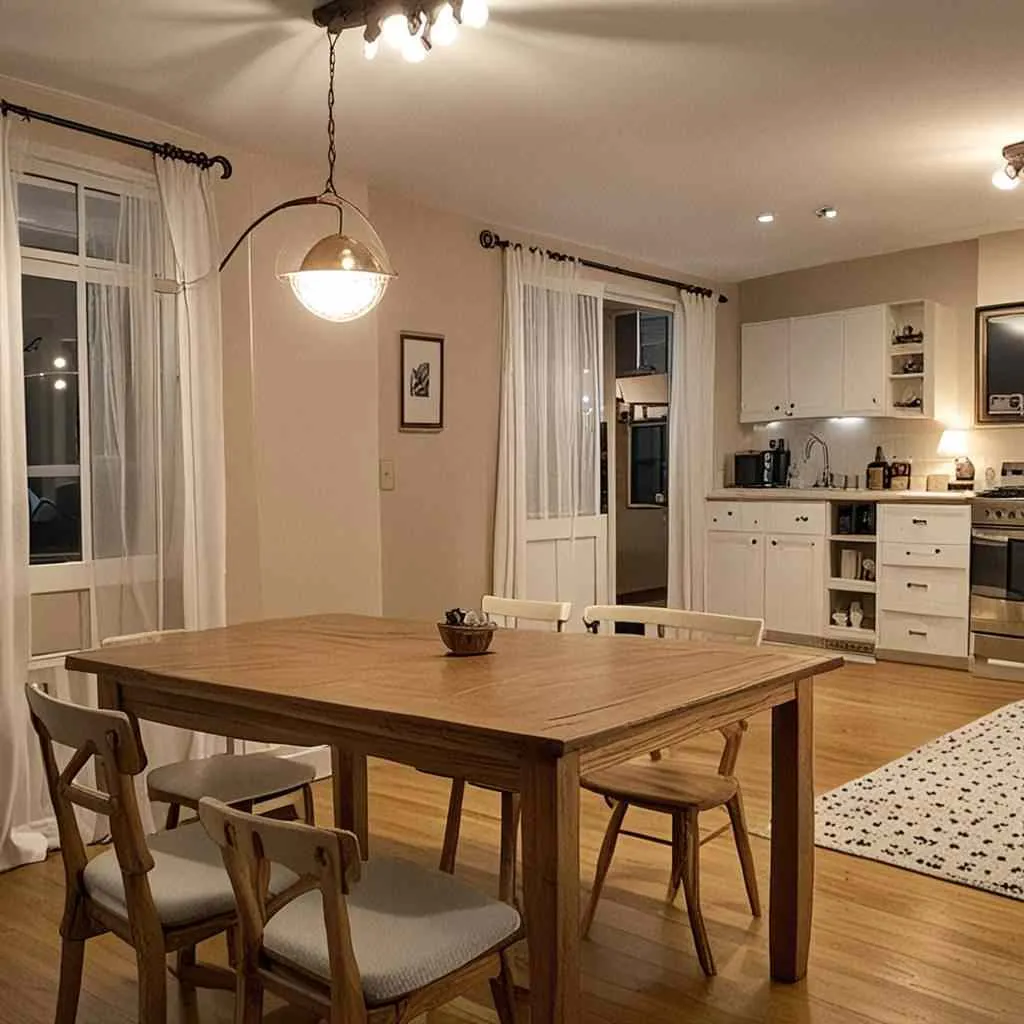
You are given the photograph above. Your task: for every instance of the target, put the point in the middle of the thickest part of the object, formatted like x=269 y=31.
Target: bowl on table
x=465 y=641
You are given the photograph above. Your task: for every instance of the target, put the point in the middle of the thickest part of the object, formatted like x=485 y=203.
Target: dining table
x=531 y=716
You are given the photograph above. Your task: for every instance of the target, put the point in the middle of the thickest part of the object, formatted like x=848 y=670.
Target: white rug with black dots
x=953 y=808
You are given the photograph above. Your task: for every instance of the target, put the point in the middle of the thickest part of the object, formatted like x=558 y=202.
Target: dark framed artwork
x=422 y=382
x=999 y=345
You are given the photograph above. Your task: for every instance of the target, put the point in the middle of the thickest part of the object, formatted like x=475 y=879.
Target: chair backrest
x=675 y=623
x=112 y=739
x=513 y=611
x=324 y=859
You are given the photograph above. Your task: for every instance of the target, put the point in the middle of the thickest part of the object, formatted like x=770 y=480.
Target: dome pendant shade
x=341 y=279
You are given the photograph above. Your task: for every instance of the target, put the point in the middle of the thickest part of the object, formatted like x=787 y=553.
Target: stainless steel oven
x=997 y=574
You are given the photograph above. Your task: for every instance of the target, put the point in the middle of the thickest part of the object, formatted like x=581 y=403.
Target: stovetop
x=1000 y=493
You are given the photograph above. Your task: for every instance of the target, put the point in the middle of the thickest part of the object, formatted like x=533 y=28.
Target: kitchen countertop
x=838 y=494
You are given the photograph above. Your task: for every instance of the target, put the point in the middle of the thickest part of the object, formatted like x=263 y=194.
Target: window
x=648 y=463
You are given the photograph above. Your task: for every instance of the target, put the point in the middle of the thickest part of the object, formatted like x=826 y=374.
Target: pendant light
x=341 y=278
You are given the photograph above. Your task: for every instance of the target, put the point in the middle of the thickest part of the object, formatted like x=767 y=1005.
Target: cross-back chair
x=673 y=789
x=382 y=941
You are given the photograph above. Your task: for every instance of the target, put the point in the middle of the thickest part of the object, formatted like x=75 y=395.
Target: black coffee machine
x=768 y=468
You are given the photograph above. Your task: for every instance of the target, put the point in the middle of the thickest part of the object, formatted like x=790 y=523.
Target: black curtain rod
x=165 y=150
x=490 y=240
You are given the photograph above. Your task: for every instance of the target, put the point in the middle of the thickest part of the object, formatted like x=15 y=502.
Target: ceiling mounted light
x=341 y=278
x=826 y=213
x=1007 y=177
x=413 y=27
x=766 y=218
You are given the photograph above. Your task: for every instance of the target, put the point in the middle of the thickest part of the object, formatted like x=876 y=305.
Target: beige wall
x=302 y=444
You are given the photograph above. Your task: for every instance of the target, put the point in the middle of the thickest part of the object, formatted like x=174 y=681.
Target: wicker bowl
x=465 y=641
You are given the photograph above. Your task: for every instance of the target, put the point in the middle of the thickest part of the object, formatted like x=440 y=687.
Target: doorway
x=638 y=367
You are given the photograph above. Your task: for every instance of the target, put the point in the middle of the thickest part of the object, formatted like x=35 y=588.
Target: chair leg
x=742 y=837
x=604 y=860
x=173 y=816
x=510 y=810
x=452 y=826
x=152 y=967
x=308 y=805
x=72 y=958
x=503 y=992
x=691 y=887
x=248 y=999
x=678 y=853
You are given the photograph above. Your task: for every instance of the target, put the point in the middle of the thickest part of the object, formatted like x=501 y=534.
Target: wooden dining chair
x=160 y=895
x=242 y=780
x=554 y=615
x=679 y=791
x=383 y=941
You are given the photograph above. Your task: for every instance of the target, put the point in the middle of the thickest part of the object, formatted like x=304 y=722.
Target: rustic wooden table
x=531 y=717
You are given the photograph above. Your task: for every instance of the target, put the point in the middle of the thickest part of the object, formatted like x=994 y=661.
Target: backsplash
x=852 y=444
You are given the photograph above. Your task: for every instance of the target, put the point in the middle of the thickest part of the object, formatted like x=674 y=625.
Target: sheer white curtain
x=691 y=446
x=549 y=437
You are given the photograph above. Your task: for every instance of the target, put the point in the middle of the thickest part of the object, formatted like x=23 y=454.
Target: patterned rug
x=953 y=808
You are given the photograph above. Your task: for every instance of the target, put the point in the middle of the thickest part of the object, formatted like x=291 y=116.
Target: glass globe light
x=475 y=13
x=341 y=279
x=395 y=30
x=1003 y=181
x=445 y=29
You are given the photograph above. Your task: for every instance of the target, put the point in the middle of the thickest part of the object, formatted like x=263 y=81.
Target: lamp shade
x=954 y=443
x=340 y=279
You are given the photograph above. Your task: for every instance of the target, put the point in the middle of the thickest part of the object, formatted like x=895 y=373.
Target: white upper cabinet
x=764 y=360
x=815 y=366
x=866 y=336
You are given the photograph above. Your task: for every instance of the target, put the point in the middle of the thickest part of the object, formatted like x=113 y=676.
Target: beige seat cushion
x=188 y=880
x=662 y=786
x=410 y=927
x=230 y=778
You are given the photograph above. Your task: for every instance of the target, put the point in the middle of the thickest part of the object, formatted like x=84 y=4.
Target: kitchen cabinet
x=794 y=584
x=735 y=573
x=764 y=362
x=815 y=366
x=865 y=341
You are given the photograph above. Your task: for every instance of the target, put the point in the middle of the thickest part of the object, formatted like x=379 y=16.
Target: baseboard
x=931 y=660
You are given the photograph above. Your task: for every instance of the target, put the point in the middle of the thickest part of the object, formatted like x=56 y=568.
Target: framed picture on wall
x=422 y=382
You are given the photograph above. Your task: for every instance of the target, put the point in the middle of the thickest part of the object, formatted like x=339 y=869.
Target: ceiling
x=653 y=129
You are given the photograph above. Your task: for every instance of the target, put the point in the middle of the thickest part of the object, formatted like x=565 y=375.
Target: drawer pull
x=919 y=522
x=917 y=632
x=917 y=586
x=775 y=543
x=938 y=551
x=754 y=541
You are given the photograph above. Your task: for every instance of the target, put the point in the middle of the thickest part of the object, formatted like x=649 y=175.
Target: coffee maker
x=768 y=468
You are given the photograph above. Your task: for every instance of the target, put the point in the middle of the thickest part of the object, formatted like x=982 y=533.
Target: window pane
x=48 y=214
x=55 y=528
x=654 y=332
x=648 y=484
x=102 y=210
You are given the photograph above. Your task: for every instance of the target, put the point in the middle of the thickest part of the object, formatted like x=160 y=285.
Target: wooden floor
x=889 y=946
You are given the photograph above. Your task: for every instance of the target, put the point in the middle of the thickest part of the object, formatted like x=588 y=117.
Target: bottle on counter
x=899 y=477
x=879 y=473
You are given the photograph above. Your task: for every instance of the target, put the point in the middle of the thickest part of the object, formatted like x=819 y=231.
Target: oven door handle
x=994 y=540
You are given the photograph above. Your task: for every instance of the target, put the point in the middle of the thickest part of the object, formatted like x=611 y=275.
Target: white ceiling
x=656 y=129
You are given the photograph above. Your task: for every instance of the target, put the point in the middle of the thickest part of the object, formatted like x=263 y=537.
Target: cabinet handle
x=754 y=542
x=874 y=400
x=729 y=513
x=938 y=551
x=778 y=408
x=917 y=632
x=775 y=543
x=919 y=522
x=917 y=586
x=792 y=405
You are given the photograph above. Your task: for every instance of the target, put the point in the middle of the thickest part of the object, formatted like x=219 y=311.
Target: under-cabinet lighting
x=847 y=421
x=766 y=218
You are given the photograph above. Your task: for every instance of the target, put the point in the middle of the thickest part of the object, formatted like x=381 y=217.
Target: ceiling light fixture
x=341 y=278
x=413 y=27
x=1008 y=176
x=826 y=213
x=766 y=218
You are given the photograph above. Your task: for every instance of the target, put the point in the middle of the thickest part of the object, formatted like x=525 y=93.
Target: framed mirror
x=999 y=370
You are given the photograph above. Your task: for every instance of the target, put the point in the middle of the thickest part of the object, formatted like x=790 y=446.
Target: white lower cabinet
x=794 y=584
x=735 y=574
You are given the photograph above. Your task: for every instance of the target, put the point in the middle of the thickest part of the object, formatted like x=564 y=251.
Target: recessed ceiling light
x=827 y=213
x=766 y=218
x=1003 y=181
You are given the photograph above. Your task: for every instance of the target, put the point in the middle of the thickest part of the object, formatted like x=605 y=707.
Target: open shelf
x=914 y=349
x=854 y=538
x=852 y=586
x=906 y=376
x=849 y=633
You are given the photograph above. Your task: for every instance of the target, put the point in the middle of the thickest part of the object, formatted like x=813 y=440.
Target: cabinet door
x=794 y=584
x=735 y=574
x=764 y=371
x=864 y=361
x=815 y=366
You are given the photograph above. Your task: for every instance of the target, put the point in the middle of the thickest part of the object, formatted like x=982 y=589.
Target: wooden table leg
x=551 y=883
x=348 y=775
x=792 y=858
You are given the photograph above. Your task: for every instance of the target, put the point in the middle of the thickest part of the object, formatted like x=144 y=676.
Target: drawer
x=743 y=516
x=924 y=524
x=926 y=591
x=922 y=634
x=802 y=517
x=946 y=556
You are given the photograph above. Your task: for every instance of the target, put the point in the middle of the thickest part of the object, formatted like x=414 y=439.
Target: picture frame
x=421 y=382
x=999 y=365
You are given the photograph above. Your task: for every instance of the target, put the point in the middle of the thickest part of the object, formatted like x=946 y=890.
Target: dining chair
x=679 y=791
x=161 y=894
x=354 y=942
x=553 y=614
x=242 y=780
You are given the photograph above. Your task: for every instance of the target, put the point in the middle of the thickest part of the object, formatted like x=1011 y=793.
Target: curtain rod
x=491 y=240
x=165 y=150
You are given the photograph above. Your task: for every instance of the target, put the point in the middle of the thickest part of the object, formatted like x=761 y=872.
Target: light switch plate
x=387 y=474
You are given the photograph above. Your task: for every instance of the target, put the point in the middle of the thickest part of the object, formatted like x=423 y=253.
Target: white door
x=815 y=366
x=864 y=361
x=794 y=584
x=735 y=574
x=567 y=560
x=763 y=370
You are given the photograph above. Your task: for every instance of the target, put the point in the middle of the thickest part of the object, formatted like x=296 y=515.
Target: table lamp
x=954 y=443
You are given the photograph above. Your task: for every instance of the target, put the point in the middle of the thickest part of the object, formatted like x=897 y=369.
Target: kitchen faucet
x=826 y=472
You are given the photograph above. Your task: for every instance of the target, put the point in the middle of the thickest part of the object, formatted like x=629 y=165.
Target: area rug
x=953 y=808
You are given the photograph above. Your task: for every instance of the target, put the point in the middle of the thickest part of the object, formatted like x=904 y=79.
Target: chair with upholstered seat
x=552 y=614
x=667 y=787
x=160 y=895
x=242 y=780
x=383 y=941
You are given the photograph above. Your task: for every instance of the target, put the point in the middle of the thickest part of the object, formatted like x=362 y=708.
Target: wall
x=301 y=431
